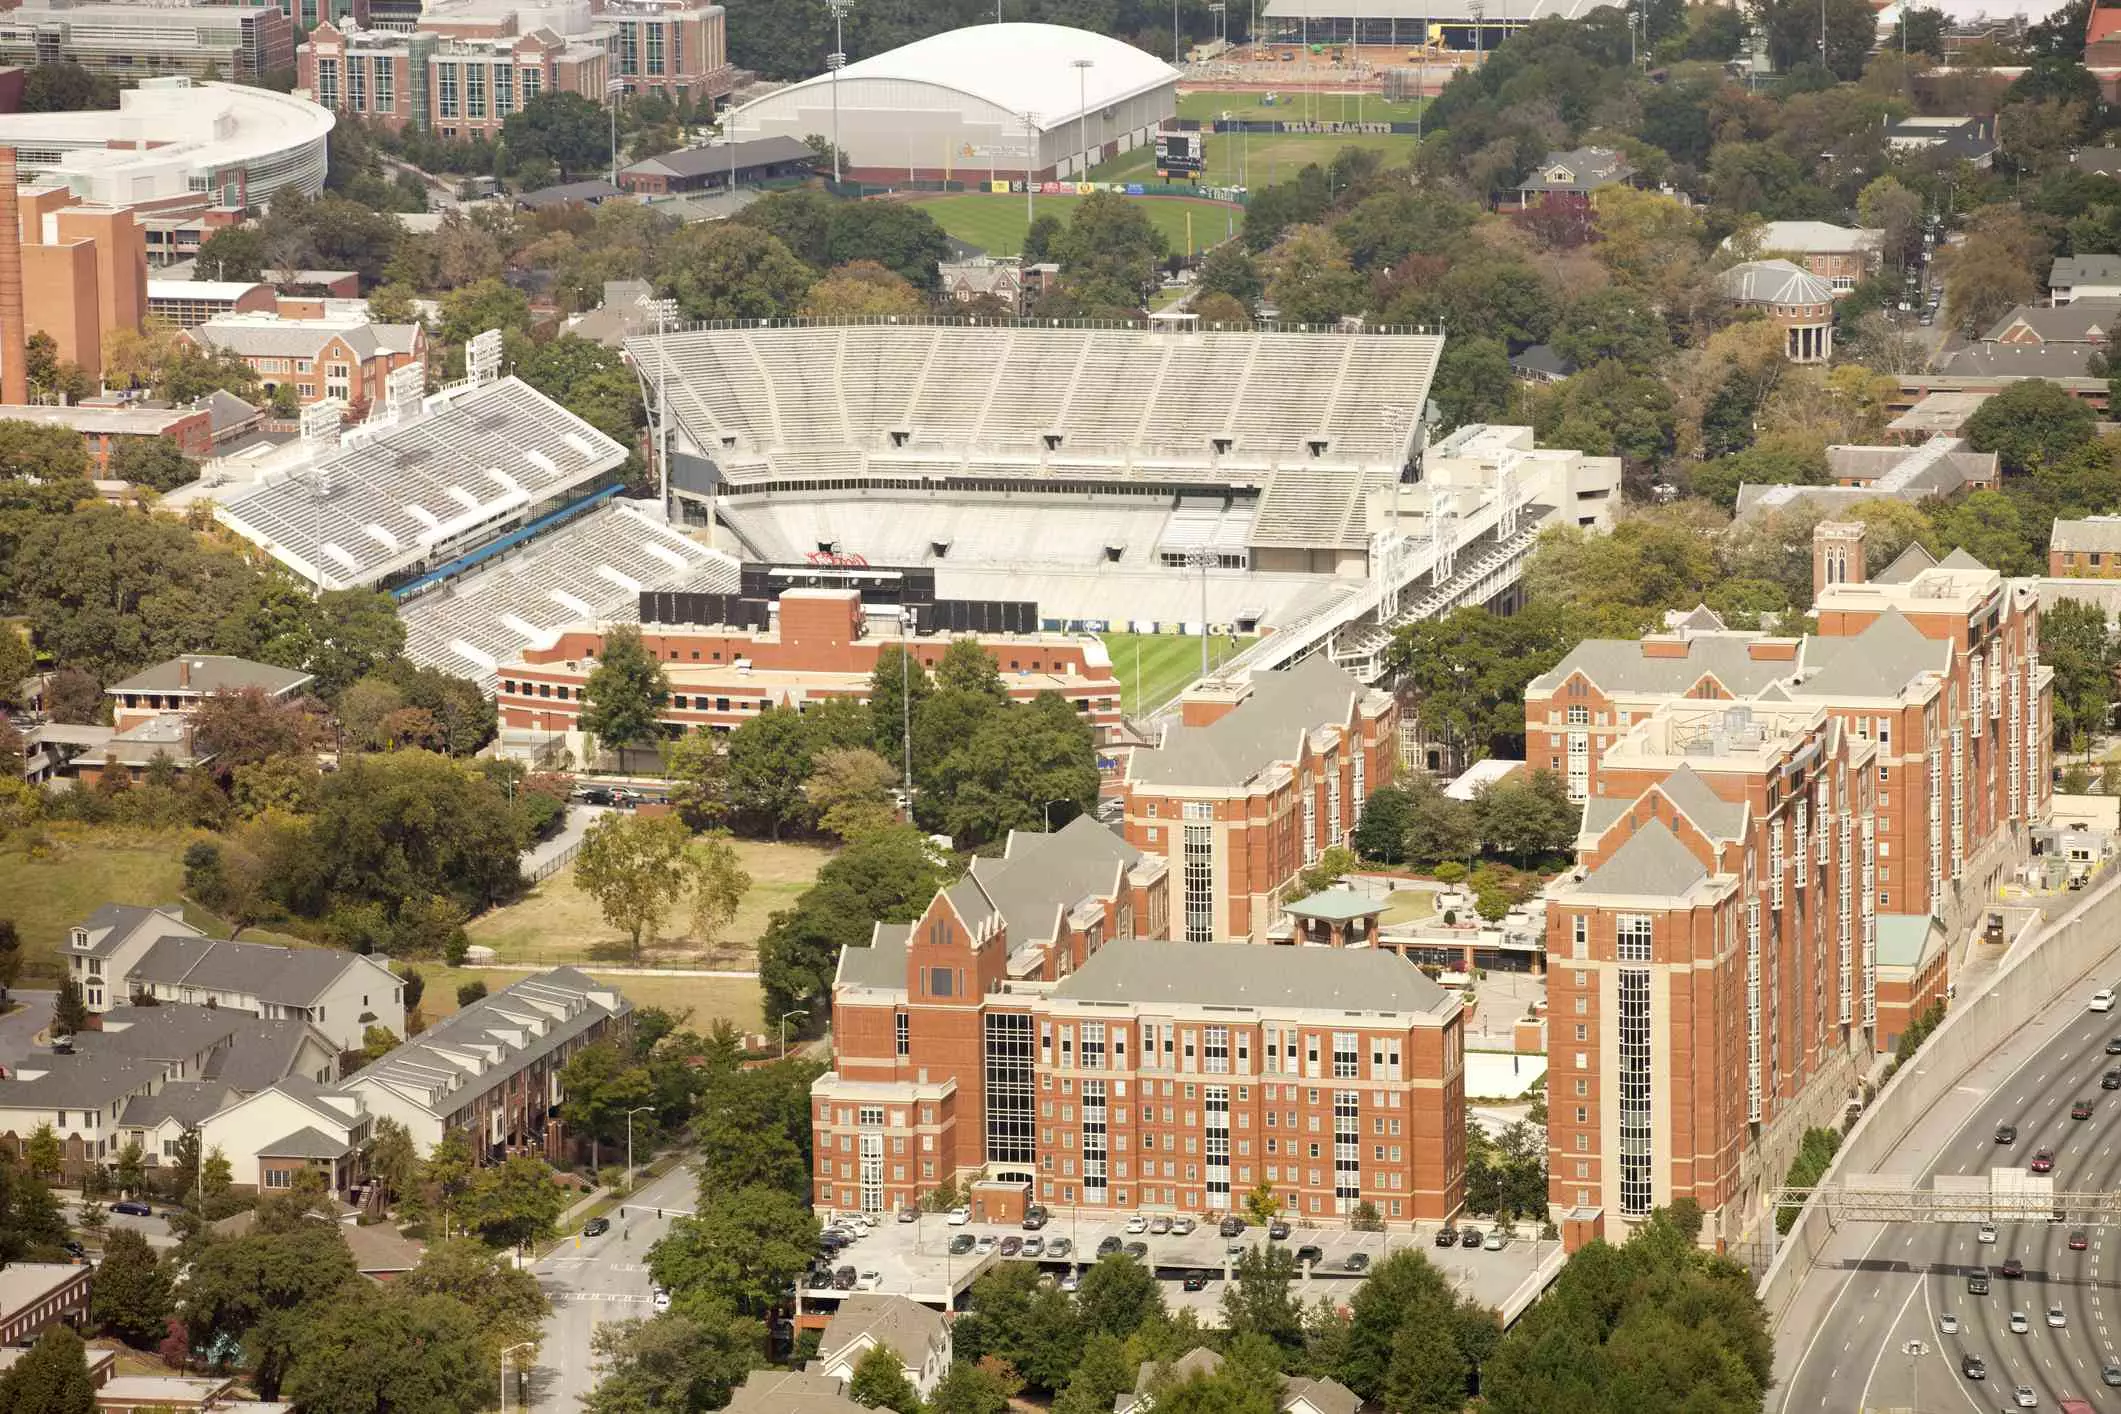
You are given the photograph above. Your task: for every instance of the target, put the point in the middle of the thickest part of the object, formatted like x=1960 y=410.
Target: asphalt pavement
x=19 y=1028
x=1887 y=1287
x=595 y=1280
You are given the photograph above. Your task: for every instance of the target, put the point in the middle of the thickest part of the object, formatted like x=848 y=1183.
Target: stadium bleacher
x=592 y=568
x=412 y=493
x=906 y=527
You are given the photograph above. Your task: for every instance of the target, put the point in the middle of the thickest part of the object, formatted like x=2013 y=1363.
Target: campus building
x=800 y=648
x=1156 y=1075
x=2085 y=549
x=1779 y=838
x=349 y=358
x=1259 y=777
x=84 y=271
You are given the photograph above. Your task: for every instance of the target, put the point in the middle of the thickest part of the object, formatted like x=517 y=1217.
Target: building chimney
x=184 y=672
x=14 y=339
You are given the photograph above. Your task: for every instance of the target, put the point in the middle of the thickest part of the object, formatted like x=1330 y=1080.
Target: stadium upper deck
x=972 y=402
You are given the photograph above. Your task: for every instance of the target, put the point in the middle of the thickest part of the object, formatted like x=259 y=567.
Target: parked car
x=596 y=1227
x=869 y=1280
x=1195 y=1281
x=1469 y=1237
x=1071 y=1281
x=1309 y=1255
x=832 y=1240
x=132 y=1208
x=1277 y=1231
x=960 y=1216
x=1356 y=1262
x=1033 y=1247
x=1182 y=1227
x=1034 y=1218
x=821 y=1278
x=660 y=1301
x=984 y=1245
x=1011 y=1246
x=1447 y=1236
x=1159 y=1226
x=1496 y=1241
x=1230 y=1226
x=1108 y=1246
x=961 y=1244
x=1137 y=1223
x=1059 y=1247
x=1136 y=1250
x=909 y=1215
x=845 y=1278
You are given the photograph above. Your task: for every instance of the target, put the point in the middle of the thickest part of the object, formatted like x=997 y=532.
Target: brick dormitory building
x=1040 y=1033
x=1779 y=839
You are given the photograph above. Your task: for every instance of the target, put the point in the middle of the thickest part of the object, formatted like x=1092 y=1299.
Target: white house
x=916 y=1334
x=121 y=952
x=271 y=1136
x=2076 y=277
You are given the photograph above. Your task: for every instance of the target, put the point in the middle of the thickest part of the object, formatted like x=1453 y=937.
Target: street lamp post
x=612 y=89
x=836 y=61
x=1914 y=1350
x=522 y=1345
x=784 y=1028
x=1082 y=113
x=637 y=1109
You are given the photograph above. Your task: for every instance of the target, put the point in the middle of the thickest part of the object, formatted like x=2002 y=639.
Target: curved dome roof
x=1017 y=67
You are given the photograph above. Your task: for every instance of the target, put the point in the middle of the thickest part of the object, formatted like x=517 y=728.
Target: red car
x=2013 y=1268
x=2043 y=1161
x=2078 y=1240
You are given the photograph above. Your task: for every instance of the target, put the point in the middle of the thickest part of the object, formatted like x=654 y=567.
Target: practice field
x=1154 y=667
x=996 y=223
x=1256 y=160
x=1296 y=105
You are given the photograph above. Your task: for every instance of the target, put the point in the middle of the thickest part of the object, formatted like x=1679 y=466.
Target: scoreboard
x=1180 y=154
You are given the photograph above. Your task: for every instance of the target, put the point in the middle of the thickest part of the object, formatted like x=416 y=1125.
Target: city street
x=604 y=1279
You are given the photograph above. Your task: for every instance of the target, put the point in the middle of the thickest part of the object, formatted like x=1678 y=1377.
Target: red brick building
x=819 y=645
x=1259 y=777
x=1097 y=1069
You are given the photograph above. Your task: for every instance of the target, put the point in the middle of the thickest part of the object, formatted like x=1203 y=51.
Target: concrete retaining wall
x=2075 y=945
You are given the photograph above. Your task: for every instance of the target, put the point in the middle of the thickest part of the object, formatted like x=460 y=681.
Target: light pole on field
x=836 y=61
x=1082 y=112
x=637 y=1109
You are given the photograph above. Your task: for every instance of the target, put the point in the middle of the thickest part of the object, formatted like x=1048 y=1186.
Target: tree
x=634 y=867
x=405 y=829
x=393 y=304
x=880 y=1382
x=156 y=462
x=1229 y=269
x=2032 y=425
x=690 y=1358
x=53 y=1377
x=888 y=876
x=480 y=306
x=505 y=1299
x=469 y=992
x=968 y=1388
x=514 y=1202
x=46 y=452
x=1257 y=1300
x=248 y=1289
x=862 y=289
x=1381 y=831
x=1118 y=1295
x=1428 y=1372
x=722 y=270
x=1794 y=34
x=626 y=693
x=231 y=253
x=1992 y=269
x=768 y=761
x=850 y=791
x=130 y=1170
x=2075 y=642
x=1311 y=279
x=718 y=883
x=10 y=957
x=1333 y=862
x=42 y=1153
x=740 y=1251
x=565 y=129
x=1527 y=814
x=386 y=1352
x=247 y=726
x=1110 y=251
x=132 y=1298
x=602 y=1088
x=69 y=1013
x=1473 y=382
x=899 y=686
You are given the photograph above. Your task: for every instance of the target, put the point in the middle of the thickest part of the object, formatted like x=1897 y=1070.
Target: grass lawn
x=996 y=223
x=556 y=922
x=1165 y=664
x=709 y=999
x=1257 y=160
x=1293 y=105
x=1408 y=906
x=81 y=870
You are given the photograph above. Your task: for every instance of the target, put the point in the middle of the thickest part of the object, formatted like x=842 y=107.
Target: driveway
x=19 y=1028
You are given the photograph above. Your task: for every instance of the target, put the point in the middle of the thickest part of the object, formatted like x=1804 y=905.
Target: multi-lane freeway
x=1887 y=1321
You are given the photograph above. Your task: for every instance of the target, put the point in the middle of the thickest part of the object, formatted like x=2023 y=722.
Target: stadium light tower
x=1030 y=162
x=836 y=61
x=1203 y=556
x=1082 y=111
x=665 y=310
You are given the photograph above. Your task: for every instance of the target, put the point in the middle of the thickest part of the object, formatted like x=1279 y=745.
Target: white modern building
x=1004 y=102
x=176 y=138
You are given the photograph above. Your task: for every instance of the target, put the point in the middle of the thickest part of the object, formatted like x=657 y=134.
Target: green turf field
x=996 y=223
x=1293 y=105
x=1154 y=667
x=1257 y=160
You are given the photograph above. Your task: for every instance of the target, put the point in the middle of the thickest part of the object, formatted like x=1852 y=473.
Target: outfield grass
x=1154 y=667
x=709 y=999
x=1293 y=105
x=557 y=923
x=996 y=223
x=1258 y=160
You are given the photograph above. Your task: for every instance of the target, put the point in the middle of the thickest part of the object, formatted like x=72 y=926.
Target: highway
x=1885 y=1285
x=603 y=1279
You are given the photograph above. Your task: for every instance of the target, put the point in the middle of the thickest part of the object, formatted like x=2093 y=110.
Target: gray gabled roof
x=1266 y=727
x=1716 y=817
x=188 y=1102
x=881 y=964
x=2084 y=321
x=1152 y=972
x=1620 y=665
x=287 y=976
x=1199 y=1360
x=1652 y=864
x=707 y=161
x=2102 y=533
x=1907 y=564
x=502 y=1034
x=1326 y=1396
x=2073 y=270
x=304 y=1143
x=213 y=672
x=902 y=1326
x=111 y=925
x=1880 y=661
x=1959 y=559
x=1039 y=876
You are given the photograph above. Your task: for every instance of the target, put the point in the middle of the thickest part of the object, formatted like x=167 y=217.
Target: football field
x=996 y=223
x=1257 y=160
x=1153 y=668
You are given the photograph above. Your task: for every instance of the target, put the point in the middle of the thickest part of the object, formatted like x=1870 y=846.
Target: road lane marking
x=1864 y=1402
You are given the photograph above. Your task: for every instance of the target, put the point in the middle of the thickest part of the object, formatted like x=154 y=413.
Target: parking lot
x=913 y=1259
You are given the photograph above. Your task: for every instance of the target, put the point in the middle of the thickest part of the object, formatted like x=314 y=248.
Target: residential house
x=1198 y=1361
x=628 y=308
x=1006 y=278
x=1540 y=363
x=1575 y=174
x=492 y=1069
x=346 y=357
x=121 y=952
x=2098 y=161
x=2088 y=320
x=720 y=167
x=297 y=1123
x=918 y=1335
x=2075 y=277
x=791 y=1392
x=1307 y=1396
x=2085 y=549
x=181 y=684
x=1801 y=303
x=1971 y=139
x=1258 y=777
